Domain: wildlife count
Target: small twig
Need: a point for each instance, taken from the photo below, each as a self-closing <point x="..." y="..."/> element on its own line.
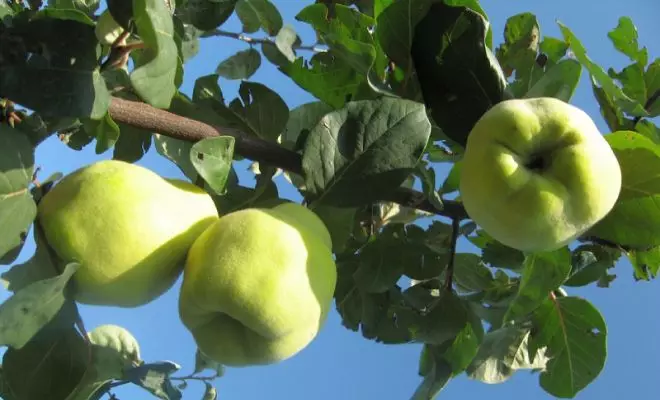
<point x="194" y="378"/>
<point x="449" y="276"/>
<point x="252" y="40"/>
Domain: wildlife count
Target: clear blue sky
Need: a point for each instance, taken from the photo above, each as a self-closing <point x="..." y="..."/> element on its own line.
<point x="340" y="364"/>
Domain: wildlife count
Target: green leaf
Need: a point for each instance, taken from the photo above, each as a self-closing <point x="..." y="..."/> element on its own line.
<point x="155" y="378"/>
<point x="238" y="197"/>
<point x="635" y="219"/>
<point x="652" y="79"/>
<point x="447" y="317"/>
<point x="326" y="77"/>
<point x="575" y="335"/>
<point x="609" y="110"/>
<point x="186" y="37"/>
<point x="212" y="158"/>
<point x="646" y="263"/>
<point x="459" y="76"/>
<point x="632" y="80"/>
<point x="49" y="366"/>
<point x="302" y="120"/>
<point x="348" y="298"/>
<point x="364" y="151"/>
<point x="206" y="87"/>
<point x="543" y="272"/>
<point x="340" y="222"/>
<point x="262" y="109"/>
<point x="555" y="49"/>
<point x="154" y="76"/>
<point x="85" y="6"/>
<point x="178" y="152"/>
<point x="384" y="317"/>
<point x="501" y="256"/>
<point x="39" y="267"/>
<point x="205" y="15"/>
<point x="256" y="14"/>
<point x="30" y="309"/>
<point x="380" y="262"/>
<point x="436" y="376"/>
<point x="453" y="180"/>
<point x="17" y="208"/>
<point x="133" y="143"/>
<point x="426" y="174"/>
<point x="241" y="65"/>
<point x="66" y="63"/>
<point x="648" y="129"/>
<point x="470" y="273"/>
<point x="519" y="51"/>
<point x="503" y="352"/>
<point x="105" y="130"/>
<point x="590" y="262"/>
<point x="424" y="254"/>
<point x="394" y="41"/>
<point x="624" y="37"/>
<point x="347" y="34"/>
<point x="559" y="81"/>
<point x="627" y="104"/>
<point x="284" y="42"/>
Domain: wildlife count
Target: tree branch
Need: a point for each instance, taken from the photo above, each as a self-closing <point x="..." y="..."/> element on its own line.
<point x="144" y="116"/>
<point x="251" y="40"/>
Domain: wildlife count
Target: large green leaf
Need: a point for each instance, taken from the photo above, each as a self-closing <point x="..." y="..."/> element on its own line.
<point x="259" y="14"/>
<point x="627" y="104"/>
<point x="575" y="337"/>
<point x="301" y="120"/>
<point x="155" y="378"/>
<point x="364" y="151"/>
<point x="624" y="37"/>
<point x="503" y="352"/>
<point x="17" y="208"/>
<point x="65" y="65"/>
<point x="212" y="158"/>
<point x="31" y="308"/>
<point x="459" y="76"/>
<point x="261" y="110"/>
<point x="50" y="366"/>
<point x="241" y="65"/>
<point x="542" y="273"/>
<point x="635" y="219"/>
<point x="347" y="34"/>
<point x="519" y="51"/>
<point x="395" y="41"/>
<point x="204" y="14"/>
<point x="156" y="66"/>
<point x="559" y="81"/>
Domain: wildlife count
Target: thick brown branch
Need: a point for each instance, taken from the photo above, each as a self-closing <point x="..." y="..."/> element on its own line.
<point x="144" y="116"/>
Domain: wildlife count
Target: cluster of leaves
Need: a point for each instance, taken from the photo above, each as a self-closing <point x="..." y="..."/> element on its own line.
<point x="399" y="84"/>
